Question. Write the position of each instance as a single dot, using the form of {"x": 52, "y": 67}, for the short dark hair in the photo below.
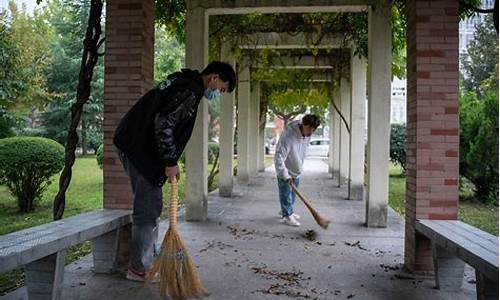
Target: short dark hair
{"x": 311, "y": 120}
{"x": 224, "y": 70}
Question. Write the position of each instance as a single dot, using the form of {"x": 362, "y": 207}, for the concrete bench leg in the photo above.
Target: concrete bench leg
{"x": 44, "y": 277}
{"x": 105, "y": 251}
{"x": 486, "y": 288}
{"x": 448, "y": 269}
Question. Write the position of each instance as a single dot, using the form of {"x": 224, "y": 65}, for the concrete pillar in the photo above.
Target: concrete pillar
{"x": 128, "y": 74}
{"x": 345, "y": 107}
{"x": 105, "y": 252}
{"x": 244, "y": 112}
{"x": 357, "y": 126}
{"x": 45, "y": 277}
{"x": 262, "y": 151}
{"x": 336, "y": 136}
{"x": 379, "y": 108}
{"x": 254, "y": 129}
{"x": 331, "y": 119}
{"x": 226, "y": 139}
{"x": 197, "y": 148}
{"x": 433, "y": 123}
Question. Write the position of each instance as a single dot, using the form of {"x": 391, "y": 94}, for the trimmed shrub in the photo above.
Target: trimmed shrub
{"x": 479, "y": 144}
{"x": 398, "y": 145}
{"x": 99, "y": 155}
{"x": 26, "y": 166}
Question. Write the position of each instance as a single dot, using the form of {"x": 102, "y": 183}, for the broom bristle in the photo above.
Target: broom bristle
{"x": 177, "y": 273}
{"x": 321, "y": 221}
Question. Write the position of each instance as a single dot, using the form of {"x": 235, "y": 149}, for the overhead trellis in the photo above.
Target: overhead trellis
{"x": 351, "y": 28}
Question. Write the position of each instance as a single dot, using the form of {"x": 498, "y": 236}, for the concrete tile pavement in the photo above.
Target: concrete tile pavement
{"x": 244, "y": 252}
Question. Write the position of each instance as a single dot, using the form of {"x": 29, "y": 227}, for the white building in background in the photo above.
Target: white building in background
{"x": 398, "y": 100}
{"x": 466, "y": 27}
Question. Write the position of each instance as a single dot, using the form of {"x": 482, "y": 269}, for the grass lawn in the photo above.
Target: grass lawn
{"x": 471, "y": 211}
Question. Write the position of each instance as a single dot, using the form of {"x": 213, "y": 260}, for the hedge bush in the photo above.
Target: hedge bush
{"x": 26, "y": 166}
{"x": 398, "y": 145}
{"x": 479, "y": 144}
{"x": 99, "y": 155}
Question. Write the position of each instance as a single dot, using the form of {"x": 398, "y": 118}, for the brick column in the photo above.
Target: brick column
{"x": 128, "y": 70}
{"x": 433, "y": 140}
{"x": 128, "y": 74}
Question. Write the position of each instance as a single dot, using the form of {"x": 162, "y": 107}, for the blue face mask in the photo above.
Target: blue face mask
{"x": 212, "y": 94}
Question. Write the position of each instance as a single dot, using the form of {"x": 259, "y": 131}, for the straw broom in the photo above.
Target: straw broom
{"x": 177, "y": 273}
{"x": 321, "y": 221}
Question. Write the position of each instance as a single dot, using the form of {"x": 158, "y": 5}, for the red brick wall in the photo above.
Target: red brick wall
{"x": 432, "y": 114}
{"x": 128, "y": 73}
{"x": 128, "y": 69}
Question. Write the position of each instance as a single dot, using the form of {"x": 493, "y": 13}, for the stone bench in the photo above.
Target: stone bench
{"x": 42, "y": 249}
{"x": 455, "y": 243}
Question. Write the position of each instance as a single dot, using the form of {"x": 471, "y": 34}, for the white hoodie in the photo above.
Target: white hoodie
{"x": 290, "y": 151}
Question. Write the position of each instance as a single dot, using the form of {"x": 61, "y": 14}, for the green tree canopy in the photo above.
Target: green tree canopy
{"x": 482, "y": 60}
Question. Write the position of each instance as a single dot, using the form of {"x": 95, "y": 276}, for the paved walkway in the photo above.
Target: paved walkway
{"x": 243, "y": 252}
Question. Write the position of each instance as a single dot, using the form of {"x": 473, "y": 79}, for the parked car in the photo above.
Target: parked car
{"x": 318, "y": 147}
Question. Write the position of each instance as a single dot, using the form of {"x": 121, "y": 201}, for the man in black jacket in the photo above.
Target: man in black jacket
{"x": 150, "y": 139}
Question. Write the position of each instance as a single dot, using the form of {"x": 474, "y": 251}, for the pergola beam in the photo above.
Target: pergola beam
{"x": 284, "y": 40}
{"x": 220, "y": 7}
{"x": 299, "y": 62}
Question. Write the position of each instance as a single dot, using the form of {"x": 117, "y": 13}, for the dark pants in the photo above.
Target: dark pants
{"x": 148, "y": 205}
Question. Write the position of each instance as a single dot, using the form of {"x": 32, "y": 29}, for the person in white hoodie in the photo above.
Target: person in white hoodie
{"x": 288, "y": 161}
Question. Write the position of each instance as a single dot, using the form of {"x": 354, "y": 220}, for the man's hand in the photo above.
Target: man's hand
{"x": 172, "y": 172}
{"x": 290, "y": 181}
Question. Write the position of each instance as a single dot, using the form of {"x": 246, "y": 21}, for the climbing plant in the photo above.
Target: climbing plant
{"x": 350, "y": 28}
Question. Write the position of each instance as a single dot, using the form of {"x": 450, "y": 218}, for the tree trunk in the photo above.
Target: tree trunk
{"x": 90, "y": 55}
{"x": 84, "y": 137}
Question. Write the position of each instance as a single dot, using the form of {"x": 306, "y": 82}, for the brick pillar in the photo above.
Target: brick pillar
{"x": 433, "y": 140}
{"x": 128, "y": 70}
{"x": 128, "y": 74}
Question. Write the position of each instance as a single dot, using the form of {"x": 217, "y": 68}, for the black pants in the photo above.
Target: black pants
{"x": 148, "y": 204}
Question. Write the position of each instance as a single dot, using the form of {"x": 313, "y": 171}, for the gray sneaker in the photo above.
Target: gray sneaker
{"x": 296, "y": 216}
{"x": 291, "y": 221}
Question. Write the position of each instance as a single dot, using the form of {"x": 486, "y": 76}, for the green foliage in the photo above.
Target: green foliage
{"x": 172, "y": 15}
{"x": 11, "y": 78}
{"x": 213, "y": 152}
{"x": 479, "y": 144}
{"x": 286, "y": 104}
{"x": 182, "y": 162}
{"x": 26, "y": 166}
{"x": 31, "y": 35}
{"x": 7, "y": 121}
{"x": 398, "y": 145}
{"x": 27, "y": 58}
{"x": 169, "y": 54}
{"x": 481, "y": 65}
{"x": 69, "y": 22}
{"x": 100, "y": 156}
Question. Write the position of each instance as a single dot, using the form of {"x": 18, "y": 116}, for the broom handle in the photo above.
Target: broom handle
{"x": 174, "y": 199}
{"x": 296, "y": 191}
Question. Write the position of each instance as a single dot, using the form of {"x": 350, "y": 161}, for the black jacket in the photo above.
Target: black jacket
{"x": 155, "y": 131}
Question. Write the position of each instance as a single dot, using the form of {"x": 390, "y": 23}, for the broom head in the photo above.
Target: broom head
{"x": 177, "y": 273}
